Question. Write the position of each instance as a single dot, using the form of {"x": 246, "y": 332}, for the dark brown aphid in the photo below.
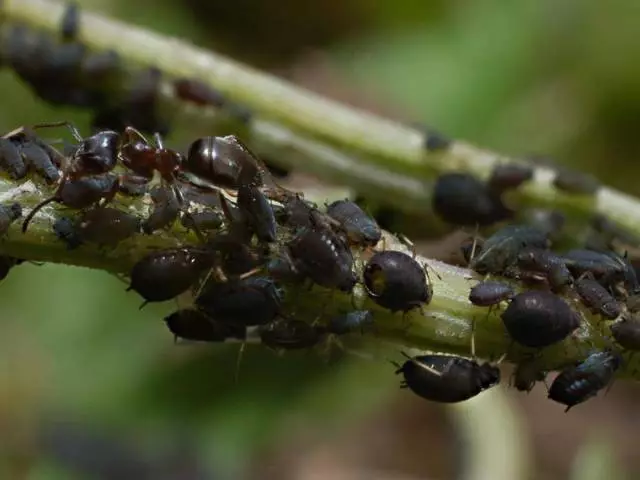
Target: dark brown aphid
{"x": 489, "y": 293}
{"x": 538, "y": 319}
{"x": 220, "y": 160}
{"x": 572, "y": 181}
{"x": 627, "y": 333}
{"x": 435, "y": 141}
{"x": 9, "y": 213}
{"x": 205, "y": 220}
{"x": 66, "y": 230}
{"x": 10, "y": 159}
{"x": 165, "y": 274}
{"x": 606, "y": 267}
{"x": 597, "y": 298}
{"x": 322, "y": 256}
{"x": 133, "y": 185}
{"x": 508, "y": 176}
{"x": 396, "y": 281}
{"x": 257, "y": 213}
{"x": 79, "y": 194}
{"x": 37, "y": 159}
{"x": 526, "y": 374}
{"x": 547, "y": 263}
{"x": 447, "y": 379}
{"x": 350, "y": 322}
{"x": 360, "y": 228}
{"x": 290, "y": 335}
{"x": 70, "y": 22}
{"x": 462, "y": 199}
{"x": 584, "y": 380}
{"x": 107, "y": 226}
{"x": 500, "y": 250}
{"x": 191, "y": 324}
{"x": 248, "y": 302}
{"x": 195, "y": 91}
{"x": 165, "y": 209}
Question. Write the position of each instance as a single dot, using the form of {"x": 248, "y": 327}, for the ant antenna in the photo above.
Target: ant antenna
{"x": 64, "y": 123}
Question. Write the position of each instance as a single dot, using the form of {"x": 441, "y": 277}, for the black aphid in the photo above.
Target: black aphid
{"x": 66, "y": 230}
{"x": 322, "y": 256}
{"x": 447, "y": 379}
{"x": 204, "y": 220}
{"x": 508, "y": 176}
{"x": 248, "y": 302}
{"x": 360, "y": 228}
{"x": 290, "y": 335}
{"x": 350, "y": 322}
{"x": 580, "y": 382}
{"x": 500, "y": 250}
{"x": 607, "y": 268}
{"x": 165, "y": 209}
{"x": 257, "y": 213}
{"x": 435, "y": 141}
{"x": 165, "y": 274}
{"x": 462, "y": 199}
{"x": 37, "y": 159}
{"x": 9, "y": 213}
{"x": 526, "y": 374}
{"x": 486, "y": 294}
{"x": 191, "y": 324}
{"x": 197, "y": 92}
{"x": 572, "y": 181}
{"x": 627, "y": 333}
{"x": 538, "y": 319}
{"x": 107, "y": 226}
{"x": 70, "y": 22}
{"x": 11, "y": 160}
{"x": 597, "y": 298}
{"x": 547, "y": 263}
{"x": 396, "y": 281}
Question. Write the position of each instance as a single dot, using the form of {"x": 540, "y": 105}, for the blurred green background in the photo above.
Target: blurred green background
{"x": 91, "y": 387}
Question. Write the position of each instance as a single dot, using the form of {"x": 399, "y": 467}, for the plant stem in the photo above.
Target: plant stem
{"x": 386, "y": 159}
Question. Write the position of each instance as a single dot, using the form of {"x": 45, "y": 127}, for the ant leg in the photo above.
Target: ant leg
{"x": 36, "y": 209}
{"x": 64, "y": 123}
{"x": 182, "y": 202}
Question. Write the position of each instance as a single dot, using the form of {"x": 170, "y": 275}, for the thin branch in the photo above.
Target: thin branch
{"x": 336, "y": 141}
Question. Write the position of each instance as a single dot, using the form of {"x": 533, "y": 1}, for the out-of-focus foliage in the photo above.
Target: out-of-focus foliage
{"x": 528, "y": 76}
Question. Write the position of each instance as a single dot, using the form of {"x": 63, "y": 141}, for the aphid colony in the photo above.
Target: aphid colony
{"x": 254, "y": 238}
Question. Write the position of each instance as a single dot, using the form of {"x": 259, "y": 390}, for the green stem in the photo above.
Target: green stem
{"x": 336, "y": 141}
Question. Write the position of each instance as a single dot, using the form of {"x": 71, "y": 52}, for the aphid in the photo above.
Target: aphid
{"x": 435, "y": 141}
{"x": 165, "y": 274}
{"x": 361, "y": 229}
{"x": 538, "y": 319}
{"x": 220, "y": 160}
{"x": 165, "y": 209}
{"x": 597, "y": 298}
{"x": 281, "y": 268}
{"x": 204, "y": 220}
{"x": 489, "y": 293}
{"x": 584, "y": 380}
{"x": 322, "y": 256}
{"x": 196, "y": 91}
{"x": 107, "y": 226}
{"x": 627, "y": 333}
{"x": 257, "y": 213}
{"x": 549, "y": 222}
{"x": 191, "y": 324}
{"x": 501, "y": 249}
{"x": 290, "y": 335}
{"x": 396, "y": 281}
{"x": 11, "y": 160}
{"x": 633, "y": 303}
{"x": 70, "y": 22}
{"x": 447, "y": 379}
{"x": 79, "y": 194}
{"x": 133, "y": 185}
{"x": 65, "y": 229}
{"x": 249, "y": 302}
{"x": 547, "y": 263}
{"x": 99, "y": 69}
{"x": 571, "y": 181}
{"x": 526, "y": 374}
{"x": 38, "y": 159}
{"x": 462, "y": 199}
{"x": 6, "y": 264}
{"x": 606, "y": 268}
{"x": 298, "y": 213}
{"x": 507, "y": 176}
{"x": 350, "y": 322}
{"x": 9, "y": 213}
